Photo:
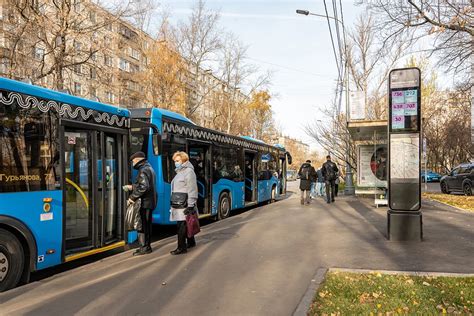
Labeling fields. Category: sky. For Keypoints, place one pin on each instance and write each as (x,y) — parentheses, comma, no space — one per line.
(296,47)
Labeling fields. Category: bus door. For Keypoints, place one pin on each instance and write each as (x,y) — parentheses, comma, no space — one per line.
(250,167)
(282,174)
(200,156)
(93,175)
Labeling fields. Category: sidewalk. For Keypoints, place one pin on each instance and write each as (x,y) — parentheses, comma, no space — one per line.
(255,263)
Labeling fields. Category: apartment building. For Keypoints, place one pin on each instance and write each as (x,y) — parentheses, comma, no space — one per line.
(100,57)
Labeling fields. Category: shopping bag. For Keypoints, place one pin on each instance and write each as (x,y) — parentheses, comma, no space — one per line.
(192,224)
(133,220)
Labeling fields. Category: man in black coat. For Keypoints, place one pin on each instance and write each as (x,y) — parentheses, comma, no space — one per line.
(307,174)
(330,171)
(144,188)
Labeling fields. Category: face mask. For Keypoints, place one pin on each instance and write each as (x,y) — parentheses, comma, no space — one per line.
(177,164)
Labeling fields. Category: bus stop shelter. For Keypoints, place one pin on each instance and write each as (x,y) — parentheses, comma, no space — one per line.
(371,140)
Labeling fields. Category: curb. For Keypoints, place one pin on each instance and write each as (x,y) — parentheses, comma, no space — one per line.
(452,208)
(412,273)
(307,299)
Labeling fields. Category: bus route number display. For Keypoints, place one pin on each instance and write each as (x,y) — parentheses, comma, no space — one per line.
(404,100)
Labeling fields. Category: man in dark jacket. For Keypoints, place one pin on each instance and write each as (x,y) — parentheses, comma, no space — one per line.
(144,188)
(330,171)
(307,174)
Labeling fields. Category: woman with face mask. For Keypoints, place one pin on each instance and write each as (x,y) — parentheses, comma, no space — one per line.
(184,195)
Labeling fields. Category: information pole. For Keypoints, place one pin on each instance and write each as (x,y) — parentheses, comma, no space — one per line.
(404,218)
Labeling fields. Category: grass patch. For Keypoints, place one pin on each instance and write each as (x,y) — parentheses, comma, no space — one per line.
(382,294)
(461,201)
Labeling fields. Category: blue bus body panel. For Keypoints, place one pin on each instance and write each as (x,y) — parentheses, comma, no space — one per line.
(40,92)
(27,207)
(237,194)
(159,113)
(265,189)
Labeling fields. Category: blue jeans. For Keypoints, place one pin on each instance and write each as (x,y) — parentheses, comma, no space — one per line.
(313,189)
(320,189)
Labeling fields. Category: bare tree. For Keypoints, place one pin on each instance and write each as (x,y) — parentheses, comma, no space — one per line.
(198,41)
(369,62)
(449,22)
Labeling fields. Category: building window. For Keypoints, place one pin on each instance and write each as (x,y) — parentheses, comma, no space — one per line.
(92,16)
(93,94)
(4,65)
(134,54)
(93,73)
(77,88)
(108,61)
(124,65)
(94,56)
(4,42)
(77,69)
(77,45)
(39,53)
(77,6)
(109,97)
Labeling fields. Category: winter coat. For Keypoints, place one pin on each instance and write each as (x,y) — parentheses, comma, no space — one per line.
(305,184)
(330,168)
(144,186)
(184,182)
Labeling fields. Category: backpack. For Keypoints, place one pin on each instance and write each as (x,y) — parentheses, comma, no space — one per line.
(305,172)
(330,172)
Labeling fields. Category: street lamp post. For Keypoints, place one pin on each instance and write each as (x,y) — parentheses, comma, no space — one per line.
(349,188)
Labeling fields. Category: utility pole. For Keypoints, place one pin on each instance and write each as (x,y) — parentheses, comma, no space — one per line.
(349,188)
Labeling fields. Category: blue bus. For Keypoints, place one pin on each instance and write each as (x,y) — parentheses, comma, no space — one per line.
(232,172)
(63,161)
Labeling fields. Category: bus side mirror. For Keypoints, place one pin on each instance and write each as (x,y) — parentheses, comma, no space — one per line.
(156,140)
(290,159)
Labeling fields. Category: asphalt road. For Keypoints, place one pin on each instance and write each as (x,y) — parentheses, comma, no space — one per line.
(432,187)
(258,262)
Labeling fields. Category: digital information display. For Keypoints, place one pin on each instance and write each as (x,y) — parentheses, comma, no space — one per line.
(404,139)
(404,110)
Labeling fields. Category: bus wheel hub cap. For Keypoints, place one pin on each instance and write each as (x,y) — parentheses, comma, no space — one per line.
(3,266)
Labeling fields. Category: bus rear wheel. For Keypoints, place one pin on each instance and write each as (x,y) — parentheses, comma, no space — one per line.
(12,260)
(224,206)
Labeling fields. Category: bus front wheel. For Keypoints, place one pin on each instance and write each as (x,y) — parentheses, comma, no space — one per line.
(224,206)
(12,260)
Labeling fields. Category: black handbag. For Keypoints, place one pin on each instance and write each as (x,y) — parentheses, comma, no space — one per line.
(179,200)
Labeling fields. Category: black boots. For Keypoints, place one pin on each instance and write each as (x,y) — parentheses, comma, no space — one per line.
(144,249)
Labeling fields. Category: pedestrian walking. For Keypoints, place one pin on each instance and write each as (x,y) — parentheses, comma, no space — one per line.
(320,187)
(306,174)
(184,196)
(143,188)
(336,185)
(330,171)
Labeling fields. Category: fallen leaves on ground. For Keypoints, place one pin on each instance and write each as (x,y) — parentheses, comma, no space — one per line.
(461,201)
(375,293)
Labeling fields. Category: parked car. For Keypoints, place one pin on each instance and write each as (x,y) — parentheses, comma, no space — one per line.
(461,179)
(430,176)
(291,175)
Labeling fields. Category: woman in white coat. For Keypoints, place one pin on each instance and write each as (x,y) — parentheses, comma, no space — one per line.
(183,182)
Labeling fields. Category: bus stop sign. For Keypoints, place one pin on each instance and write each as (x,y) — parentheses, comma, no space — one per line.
(404,185)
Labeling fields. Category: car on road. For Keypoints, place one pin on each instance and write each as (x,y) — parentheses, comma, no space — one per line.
(460,179)
(291,175)
(430,176)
